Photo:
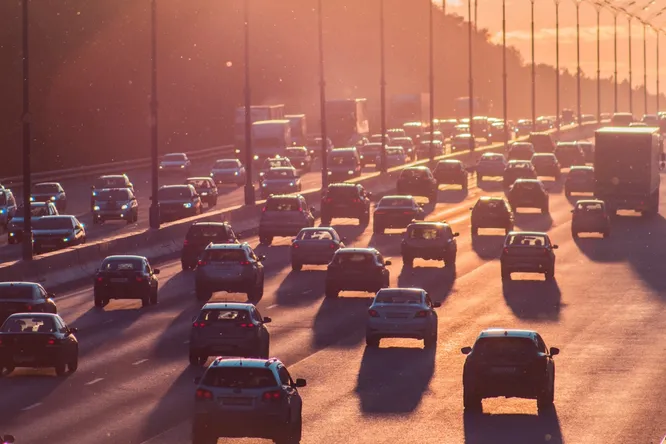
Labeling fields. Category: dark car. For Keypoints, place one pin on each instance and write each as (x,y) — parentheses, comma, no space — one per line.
(417,181)
(528,193)
(56,232)
(509,363)
(528,252)
(107,182)
(228,171)
(521,151)
(345,200)
(542,142)
(125,277)
(356,269)
(229,329)
(343,164)
(579,180)
(19,297)
(424,148)
(569,154)
(49,192)
(199,236)
(284,216)
(273,162)
(17,223)
(490,165)
(206,188)
(38,340)
(491,212)
(546,164)
(462,142)
(395,212)
(115,204)
(590,216)
(314,144)
(300,158)
(178,201)
(407,144)
(314,245)
(451,172)
(433,241)
(518,169)
(588,150)
(369,152)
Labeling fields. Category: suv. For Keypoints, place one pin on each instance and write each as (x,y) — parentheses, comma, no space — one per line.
(228,328)
(542,142)
(451,172)
(490,165)
(546,164)
(429,240)
(528,193)
(229,267)
(491,212)
(199,236)
(417,181)
(528,252)
(590,216)
(346,200)
(255,398)
(19,297)
(115,204)
(510,363)
(37,210)
(8,206)
(521,151)
(518,169)
(370,151)
(284,215)
(343,164)
(579,180)
(356,269)
(569,154)
(107,182)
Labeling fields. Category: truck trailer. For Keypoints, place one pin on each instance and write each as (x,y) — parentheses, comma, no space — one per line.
(257,113)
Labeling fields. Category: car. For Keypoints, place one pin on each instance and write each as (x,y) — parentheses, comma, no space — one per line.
(377,138)
(314,144)
(356,269)
(8,206)
(16,224)
(178,201)
(417,181)
(273,162)
(447,127)
(496,133)
(254,398)
(38,340)
(396,132)
(622,119)
(49,192)
(462,142)
(115,204)
(368,153)
(491,212)
(343,164)
(579,180)
(125,277)
(407,145)
(175,163)
(55,232)
(314,245)
(518,169)
(510,363)
(451,172)
(206,188)
(523,127)
(588,150)
(281,180)
(528,252)
(590,216)
(396,212)
(436,135)
(490,165)
(345,200)
(108,182)
(19,297)
(542,142)
(230,329)
(300,157)
(433,241)
(402,313)
(569,154)
(521,151)
(234,268)
(528,193)
(228,171)
(546,164)
(414,130)
(395,156)
(284,215)
(199,236)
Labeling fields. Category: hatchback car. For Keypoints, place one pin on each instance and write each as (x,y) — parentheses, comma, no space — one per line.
(345,200)
(417,181)
(518,169)
(228,171)
(529,193)
(509,363)
(402,313)
(407,145)
(115,204)
(300,157)
(284,216)
(20,297)
(528,252)
(178,201)
(368,153)
(431,241)
(314,246)
(206,188)
(395,156)
(281,180)
(356,269)
(395,212)
(542,142)
(491,212)
(37,210)
(579,180)
(126,277)
(451,172)
(108,182)
(490,165)
(199,236)
(569,154)
(175,163)
(546,164)
(273,162)
(56,232)
(49,192)
(343,164)
(590,216)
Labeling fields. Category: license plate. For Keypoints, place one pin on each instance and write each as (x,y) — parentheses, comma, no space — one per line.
(237,401)
(118,280)
(504,370)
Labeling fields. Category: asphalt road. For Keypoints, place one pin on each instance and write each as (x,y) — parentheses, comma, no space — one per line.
(604,312)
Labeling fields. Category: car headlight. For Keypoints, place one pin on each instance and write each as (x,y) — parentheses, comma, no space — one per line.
(161,166)
(12,234)
(350,172)
(94,193)
(66,239)
(291,184)
(330,172)
(204,193)
(361,156)
(182,166)
(256,157)
(54,198)
(32,199)
(235,173)
(124,207)
(264,184)
(237,151)
(187,205)
(212,175)
(96,208)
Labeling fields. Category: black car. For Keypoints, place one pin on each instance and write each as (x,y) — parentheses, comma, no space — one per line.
(546,164)
(19,297)
(229,329)
(199,236)
(125,277)
(451,172)
(579,180)
(417,181)
(528,193)
(55,232)
(569,154)
(433,241)
(369,152)
(343,164)
(509,363)
(528,252)
(356,269)
(491,212)
(206,188)
(115,204)
(38,340)
(107,182)
(590,216)
(178,201)
(518,169)
(233,268)
(395,212)
(300,158)
(520,151)
(345,200)
(542,142)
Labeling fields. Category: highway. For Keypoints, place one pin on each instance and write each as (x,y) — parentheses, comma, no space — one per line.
(604,311)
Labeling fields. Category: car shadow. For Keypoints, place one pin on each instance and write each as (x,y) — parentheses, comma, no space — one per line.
(392,381)
(301,287)
(533,299)
(26,387)
(488,246)
(553,186)
(451,196)
(278,257)
(342,314)
(433,277)
(599,249)
(490,186)
(579,196)
(643,240)
(350,233)
(533,221)
(512,428)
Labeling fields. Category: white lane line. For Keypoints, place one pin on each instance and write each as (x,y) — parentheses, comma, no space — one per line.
(271,306)
(140,361)
(30,407)
(94,381)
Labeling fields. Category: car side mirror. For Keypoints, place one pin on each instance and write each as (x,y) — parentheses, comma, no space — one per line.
(267,320)
(52,295)
(436,304)
(555,247)
(466,350)
(156,271)
(456,234)
(300,382)
(261,258)
(73,330)
(554,351)
(387,263)
(197,380)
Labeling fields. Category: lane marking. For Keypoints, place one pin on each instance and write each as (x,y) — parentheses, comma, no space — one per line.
(271,306)
(30,407)
(94,381)
(140,361)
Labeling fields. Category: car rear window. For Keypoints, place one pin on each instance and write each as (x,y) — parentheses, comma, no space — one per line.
(506,347)
(523,165)
(532,240)
(395,297)
(580,173)
(315,235)
(213,233)
(530,186)
(122,265)
(53,223)
(16,292)
(414,173)
(491,205)
(591,207)
(225,255)
(448,166)
(224,315)
(276,163)
(395,202)
(493,158)
(354,259)
(240,377)
(566,149)
(29,324)
(283,205)
(342,192)
(110,182)
(340,160)
(426,233)
(296,152)
(199,183)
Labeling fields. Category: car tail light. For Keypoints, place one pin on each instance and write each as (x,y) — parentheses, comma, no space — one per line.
(380,212)
(329,200)
(421,314)
(198,324)
(204,394)
(407,212)
(245,262)
(357,200)
(139,278)
(295,245)
(201,263)
(28,307)
(51,340)
(247,325)
(273,395)
(506,250)
(0,342)
(333,245)
(546,251)
(186,243)
(300,210)
(100,279)
(373,313)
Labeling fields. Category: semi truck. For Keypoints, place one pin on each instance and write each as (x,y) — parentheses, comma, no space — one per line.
(299,129)
(627,162)
(257,113)
(347,121)
(404,108)
(270,138)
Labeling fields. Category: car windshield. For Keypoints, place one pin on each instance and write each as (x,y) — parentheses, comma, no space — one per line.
(296,152)
(16,292)
(395,202)
(427,233)
(124,264)
(174,157)
(414,173)
(491,205)
(110,182)
(174,193)
(398,297)
(53,223)
(280,174)
(341,160)
(35,210)
(354,259)
(29,324)
(122,194)
(212,233)
(591,207)
(226,164)
(226,255)
(283,205)
(199,183)
(315,235)
(526,240)
(45,188)
(224,315)
(496,158)
(505,347)
(276,163)
(239,377)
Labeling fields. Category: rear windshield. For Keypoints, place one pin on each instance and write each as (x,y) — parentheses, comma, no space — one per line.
(491,205)
(53,223)
(448,166)
(355,259)
(521,147)
(240,377)
(45,188)
(395,202)
(235,256)
(16,292)
(506,347)
(122,265)
(296,152)
(496,158)
(343,192)
(526,186)
(590,207)
(224,315)
(209,232)
(567,149)
(394,151)
(526,240)
(276,163)
(404,142)
(580,173)
(174,193)
(524,165)
(29,324)
(226,164)
(110,182)
(414,173)
(398,297)
(123,194)
(199,183)
(543,159)
(283,205)
(426,233)
(280,174)
(341,160)
(315,235)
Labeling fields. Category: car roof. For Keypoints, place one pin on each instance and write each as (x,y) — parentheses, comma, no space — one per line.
(523,180)
(456,161)
(590,201)
(317,229)
(515,162)
(397,196)
(343,150)
(113,189)
(47,183)
(245,362)
(227,160)
(543,155)
(210,224)
(342,185)
(357,250)
(522,144)
(539,134)
(58,216)
(33,314)
(417,167)
(228,305)
(492,155)
(401,290)
(581,167)
(282,168)
(402,139)
(567,143)
(125,257)
(425,223)
(490,198)
(19,284)
(213,246)
(112,176)
(175,154)
(299,148)
(199,178)
(175,186)
(507,332)
(283,196)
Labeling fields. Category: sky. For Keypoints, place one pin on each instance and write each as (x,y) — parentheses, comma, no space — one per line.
(519,36)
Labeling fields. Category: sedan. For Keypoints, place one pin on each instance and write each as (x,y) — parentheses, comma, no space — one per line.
(528,252)
(396,212)
(55,232)
(314,245)
(175,163)
(228,171)
(49,192)
(125,277)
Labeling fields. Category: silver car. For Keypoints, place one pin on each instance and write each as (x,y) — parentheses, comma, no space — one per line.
(402,313)
(314,245)
(175,163)
(228,171)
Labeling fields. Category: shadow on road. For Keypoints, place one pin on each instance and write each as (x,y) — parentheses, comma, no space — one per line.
(553,186)
(436,279)
(302,287)
(23,388)
(490,186)
(533,221)
(513,428)
(488,246)
(530,299)
(643,242)
(340,322)
(451,196)
(350,232)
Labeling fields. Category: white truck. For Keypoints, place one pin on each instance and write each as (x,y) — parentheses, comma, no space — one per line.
(299,129)
(270,138)
(257,113)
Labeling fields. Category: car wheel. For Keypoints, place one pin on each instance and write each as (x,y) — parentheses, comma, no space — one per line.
(364,219)
(99,302)
(376,229)
(471,402)
(292,433)
(546,400)
(73,364)
(332,292)
(7,370)
(203,295)
(264,351)
(506,275)
(574,234)
(475,231)
(296,266)
(544,210)
(185,266)
(550,274)
(450,263)
(372,341)
(431,340)
(567,193)
(606,234)
(145,301)
(60,369)
(479,177)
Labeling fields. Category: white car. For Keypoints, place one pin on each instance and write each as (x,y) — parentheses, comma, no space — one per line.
(175,163)
(228,171)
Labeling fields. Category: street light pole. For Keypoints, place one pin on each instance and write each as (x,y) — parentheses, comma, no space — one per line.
(504,79)
(631,88)
(533,69)
(657,31)
(578,93)
(322,100)
(249,158)
(471,71)
(645,91)
(598,7)
(154,212)
(615,107)
(383,85)
(557,65)
(431,51)
(27,167)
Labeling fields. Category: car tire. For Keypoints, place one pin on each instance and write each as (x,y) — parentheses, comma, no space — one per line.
(567,193)
(372,341)
(479,177)
(73,364)
(7,370)
(431,340)
(153,297)
(475,231)
(408,262)
(550,274)
(606,234)
(545,210)
(574,234)
(145,301)
(364,219)
(546,400)
(506,275)
(264,351)
(197,359)
(202,437)
(376,229)
(450,263)
(60,369)
(332,292)
(99,302)
(292,433)
(471,402)
(265,240)
(295,266)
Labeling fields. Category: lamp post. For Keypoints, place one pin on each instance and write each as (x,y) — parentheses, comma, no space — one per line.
(27,167)
(645,91)
(631,88)
(557,66)
(322,100)
(657,32)
(431,51)
(383,85)
(154,212)
(533,68)
(578,93)
(471,71)
(504,79)
(249,158)
(615,107)
(598,8)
